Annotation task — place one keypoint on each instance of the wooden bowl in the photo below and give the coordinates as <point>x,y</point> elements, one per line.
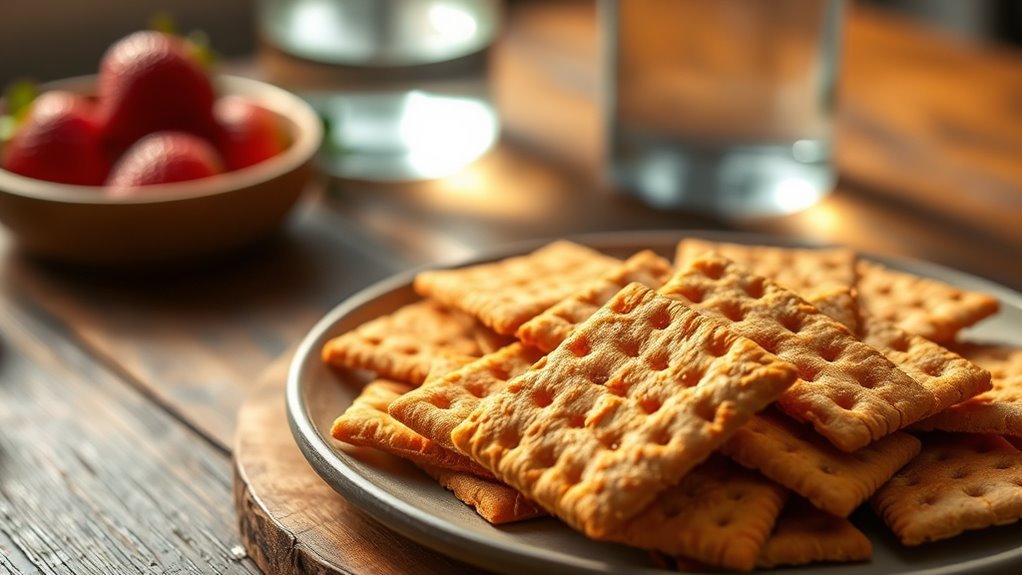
<point>169,222</point>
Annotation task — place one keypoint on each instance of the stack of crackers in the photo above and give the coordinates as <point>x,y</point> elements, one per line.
<point>728,409</point>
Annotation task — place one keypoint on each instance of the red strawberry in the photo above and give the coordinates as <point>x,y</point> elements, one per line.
<point>151,82</point>
<point>249,133</point>
<point>59,141</point>
<point>162,158</point>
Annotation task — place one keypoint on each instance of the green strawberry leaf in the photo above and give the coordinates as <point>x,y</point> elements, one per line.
<point>163,22</point>
<point>18,98</point>
<point>201,49</point>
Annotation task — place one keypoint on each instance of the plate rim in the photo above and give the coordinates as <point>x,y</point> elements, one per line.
<point>440,535</point>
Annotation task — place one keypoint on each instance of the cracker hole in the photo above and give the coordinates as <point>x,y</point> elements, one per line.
<point>650,405</point>
<point>975,490</point>
<point>791,322</point>
<point>724,521</point>
<point>719,346</point>
<point>499,372</point>
<point>662,438</point>
<point>477,390</point>
<point>809,372</point>
<point>845,401</point>
<point>712,269</point>
<point>691,377</point>
<point>673,510</point>
<point>831,352</point>
<point>900,343</point>
<point>737,496</point>
<point>755,288</point>
<point>630,347</point>
<point>440,401</point>
<point>706,411</point>
<point>955,296</point>
<point>579,347</point>
<point>612,443</point>
<point>910,481</point>
<point>1017,481</point>
<point>790,448</point>
<point>577,421</point>
<point>625,305</point>
<point>374,340</point>
<point>941,456</point>
<point>1003,464</point>
<point>731,310</point>
<point>692,293</point>
<point>617,386</point>
<point>928,499</point>
<point>934,369</point>
<point>959,473</point>
<point>509,439</point>
<point>658,360</point>
<point>542,397</point>
<point>661,318</point>
<point>572,474</point>
<point>564,314</point>
<point>828,469</point>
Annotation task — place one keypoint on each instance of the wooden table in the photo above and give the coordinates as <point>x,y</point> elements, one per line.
<point>119,392</point>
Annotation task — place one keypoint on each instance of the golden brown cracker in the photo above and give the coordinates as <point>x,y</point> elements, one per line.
<point>548,329</point>
<point>436,408</point>
<point>401,345</point>
<point>795,456</point>
<point>848,391</point>
<point>838,303</point>
<point>804,534</point>
<point>639,394</point>
<point>998,410</point>
<point>958,482</point>
<point>720,515</point>
<point>366,423</point>
<point>507,293</point>
<point>495,502</point>
<point>923,306</point>
<point>813,273</point>
<point>947,375</point>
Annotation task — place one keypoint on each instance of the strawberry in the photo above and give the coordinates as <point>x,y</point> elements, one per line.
<point>59,141</point>
<point>248,132</point>
<point>163,158</point>
<point>151,82</point>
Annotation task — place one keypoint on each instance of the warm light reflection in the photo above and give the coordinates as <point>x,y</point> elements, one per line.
<point>442,133</point>
<point>452,22</point>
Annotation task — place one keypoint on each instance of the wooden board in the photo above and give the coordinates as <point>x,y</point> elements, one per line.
<point>291,522</point>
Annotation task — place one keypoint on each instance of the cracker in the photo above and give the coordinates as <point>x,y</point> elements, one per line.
<point>367,424</point>
<point>796,457</point>
<point>848,391</point>
<point>804,534</point>
<point>495,502</point>
<point>959,482</point>
<point>490,341</point>
<point>947,375</point>
<point>839,304</point>
<point>436,408</point>
<point>549,328</point>
<point>998,410</point>
<point>926,307</point>
<point>720,515</point>
<point>639,394</point>
<point>401,345</point>
<point>506,294</point>
<point>813,273</point>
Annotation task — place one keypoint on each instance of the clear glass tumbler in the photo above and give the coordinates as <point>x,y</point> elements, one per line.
<point>721,106</point>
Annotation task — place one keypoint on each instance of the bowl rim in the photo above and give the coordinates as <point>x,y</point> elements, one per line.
<point>307,137</point>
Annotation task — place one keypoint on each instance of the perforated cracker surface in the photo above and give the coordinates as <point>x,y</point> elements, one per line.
<point>926,307</point>
<point>401,345</point>
<point>804,534</point>
<point>959,482</point>
<point>998,410</point>
<point>848,391</point>
<point>549,328</point>
<point>437,407</point>
<point>367,424</point>
<point>796,457</point>
<point>506,294</point>
<point>639,394</point>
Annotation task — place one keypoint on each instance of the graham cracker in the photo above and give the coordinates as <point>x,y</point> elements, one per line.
<point>923,306</point>
<point>848,391</point>
<point>367,424</point>
<point>548,329</point>
<point>947,375</point>
<point>804,534</point>
<point>506,294</point>
<point>638,395</point>
<point>798,458</point>
<point>401,345</point>
<point>436,408</point>
<point>958,482</point>
<point>813,273</point>
<point>495,502</point>
<point>719,515</point>
<point>998,410</point>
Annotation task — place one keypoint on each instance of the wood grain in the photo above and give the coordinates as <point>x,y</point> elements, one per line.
<point>95,478</point>
<point>292,522</point>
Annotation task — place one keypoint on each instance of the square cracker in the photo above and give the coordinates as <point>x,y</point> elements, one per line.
<point>401,345</point>
<point>926,307</point>
<point>804,534</point>
<point>495,502</point>
<point>548,329</point>
<point>998,410</point>
<point>801,460</point>
<point>367,424</point>
<point>438,406</point>
<point>813,273</point>
<point>848,391</point>
<point>506,294</point>
<point>947,375</point>
<point>720,515</point>
<point>638,395</point>
<point>959,482</point>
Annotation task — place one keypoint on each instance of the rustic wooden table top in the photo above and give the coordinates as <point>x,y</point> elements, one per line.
<point>118,392</point>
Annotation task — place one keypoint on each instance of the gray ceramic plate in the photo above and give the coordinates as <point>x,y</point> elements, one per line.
<point>406,500</point>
